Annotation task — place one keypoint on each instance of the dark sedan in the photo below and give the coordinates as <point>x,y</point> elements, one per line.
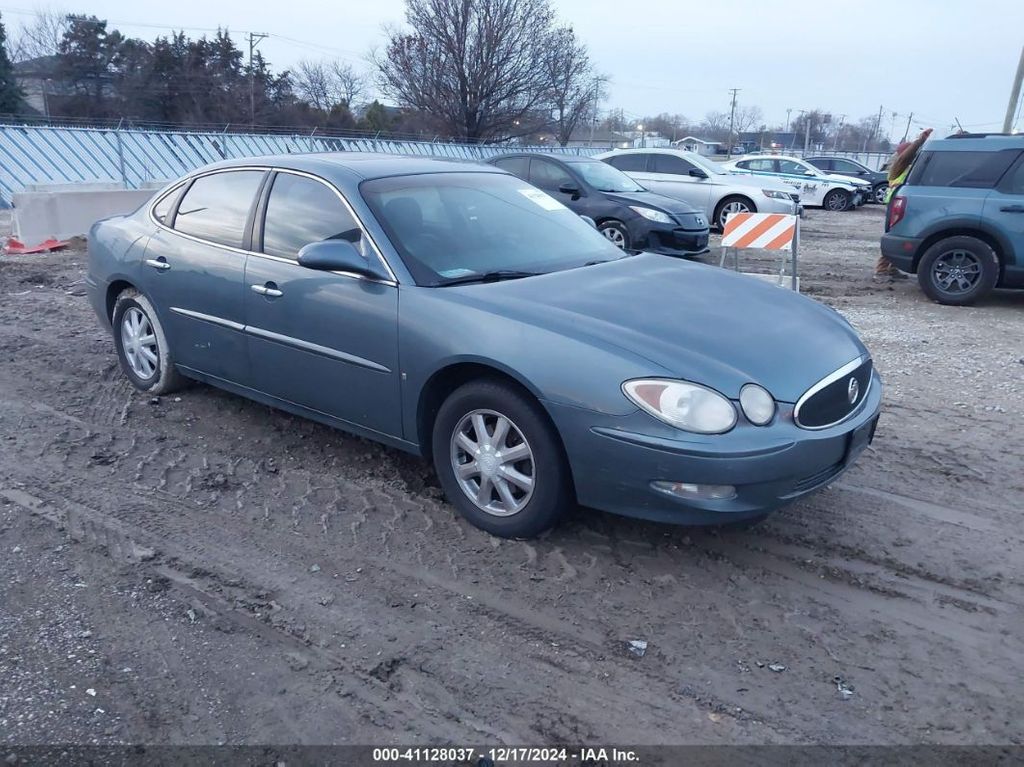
<point>454,311</point>
<point>626,213</point>
<point>844,166</point>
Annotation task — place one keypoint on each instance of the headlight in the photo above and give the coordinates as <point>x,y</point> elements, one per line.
<point>684,405</point>
<point>777,195</point>
<point>758,405</point>
<point>651,214</point>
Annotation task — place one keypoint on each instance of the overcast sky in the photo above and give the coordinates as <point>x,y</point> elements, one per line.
<point>940,59</point>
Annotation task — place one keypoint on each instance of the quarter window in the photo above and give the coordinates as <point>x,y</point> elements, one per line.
<point>668,163</point>
<point>300,211</point>
<point>636,163</point>
<point>216,207</point>
<point>163,208</point>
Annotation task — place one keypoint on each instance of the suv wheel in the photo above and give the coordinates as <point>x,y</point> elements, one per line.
<point>958,270</point>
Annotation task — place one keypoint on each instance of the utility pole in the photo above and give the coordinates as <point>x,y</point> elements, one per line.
<point>1014,94</point>
<point>839,132</point>
<point>788,112</point>
<point>732,120</point>
<point>878,124</point>
<point>907,131</point>
<point>807,134</point>
<point>254,40</point>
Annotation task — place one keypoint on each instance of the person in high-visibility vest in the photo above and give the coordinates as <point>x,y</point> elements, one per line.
<point>899,169</point>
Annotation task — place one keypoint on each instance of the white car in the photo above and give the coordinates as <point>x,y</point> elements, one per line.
<point>703,183</point>
<point>816,188</point>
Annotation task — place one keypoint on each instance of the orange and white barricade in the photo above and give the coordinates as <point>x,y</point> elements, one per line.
<point>763,231</point>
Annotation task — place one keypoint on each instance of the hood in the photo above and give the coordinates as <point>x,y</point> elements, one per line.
<point>691,321</point>
<point>847,179</point>
<point>652,200</point>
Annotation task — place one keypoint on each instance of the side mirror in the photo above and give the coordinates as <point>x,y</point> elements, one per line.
<point>698,173</point>
<point>338,256</point>
<point>590,221</point>
<point>570,189</point>
<point>810,173</point>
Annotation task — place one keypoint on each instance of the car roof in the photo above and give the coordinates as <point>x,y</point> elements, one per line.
<point>968,143</point>
<point>546,156</point>
<point>364,165</point>
<point>770,157</point>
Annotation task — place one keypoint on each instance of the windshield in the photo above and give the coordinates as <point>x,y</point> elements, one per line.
<point>605,178</point>
<point>708,165</point>
<point>450,226</point>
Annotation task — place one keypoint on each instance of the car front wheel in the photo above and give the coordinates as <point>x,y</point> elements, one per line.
<point>880,192</point>
<point>837,200</point>
<point>616,233</point>
<point>731,205</point>
<point>142,346</point>
<point>958,270</point>
<point>500,461</point>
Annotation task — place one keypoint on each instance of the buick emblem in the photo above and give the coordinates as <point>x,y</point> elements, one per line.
<point>852,390</point>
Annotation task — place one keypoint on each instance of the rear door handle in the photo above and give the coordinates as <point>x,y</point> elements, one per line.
<point>1012,209</point>
<point>158,263</point>
<point>267,290</point>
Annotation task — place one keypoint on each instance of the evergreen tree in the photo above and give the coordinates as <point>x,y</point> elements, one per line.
<point>10,94</point>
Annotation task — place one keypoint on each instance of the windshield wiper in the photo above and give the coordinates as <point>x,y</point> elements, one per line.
<point>494,276</point>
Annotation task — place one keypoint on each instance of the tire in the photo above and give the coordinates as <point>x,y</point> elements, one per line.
<point>616,232</point>
<point>542,460</point>
<point>959,270</point>
<point>880,191</point>
<point>147,362</point>
<point>733,204</point>
<point>837,200</point>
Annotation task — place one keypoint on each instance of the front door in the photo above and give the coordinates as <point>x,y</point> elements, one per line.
<point>326,341</point>
<point>193,270</point>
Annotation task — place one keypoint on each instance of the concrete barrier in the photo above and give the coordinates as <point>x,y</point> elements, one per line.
<point>67,211</point>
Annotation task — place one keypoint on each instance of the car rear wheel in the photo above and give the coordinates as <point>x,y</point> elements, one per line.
<point>500,460</point>
<point>837,200</point>
<point>731,205</point>
<point>616,233</point>
<point>142,346</point>
<point>958,270</point>
<point>880,192</point>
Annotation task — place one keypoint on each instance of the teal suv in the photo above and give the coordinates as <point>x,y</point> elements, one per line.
<point>958,222</point>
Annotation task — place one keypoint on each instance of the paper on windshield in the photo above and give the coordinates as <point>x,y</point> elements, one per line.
<point>544,200</point>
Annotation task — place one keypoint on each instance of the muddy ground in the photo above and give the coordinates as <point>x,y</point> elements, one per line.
<point>203,569</point>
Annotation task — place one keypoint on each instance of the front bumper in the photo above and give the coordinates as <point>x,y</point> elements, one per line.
<point>902,251</point>
<point>615,460</point>
<point>775,205</point>
<point>675,241</point>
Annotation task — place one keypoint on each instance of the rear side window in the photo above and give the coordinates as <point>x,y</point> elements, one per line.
<point>300,211</point>
<point>667,163</point>
<point>216,207</point>
<point>630,162</point>
<point>980,170</point>
<point>762,165</point>
<point>518,166</point>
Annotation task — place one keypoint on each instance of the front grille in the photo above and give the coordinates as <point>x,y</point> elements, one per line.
<point>829,401</point>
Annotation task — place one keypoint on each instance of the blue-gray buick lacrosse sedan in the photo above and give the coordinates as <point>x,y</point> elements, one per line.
<point>454,311</point>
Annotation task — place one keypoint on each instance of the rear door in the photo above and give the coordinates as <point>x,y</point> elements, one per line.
<point>1004,209</point>
<point>327,341</point>
<point>194,271</point>
<point>550,176</point>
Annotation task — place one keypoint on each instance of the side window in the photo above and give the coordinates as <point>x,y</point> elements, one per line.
<point>1015,181</point>
<point>668,163</point>
<point>216,207</point>
<point>163,207</point>
<point>629,162</point>
<point>300,211</point>
<point>847,167</point>
<point>548,175</point>
<point>794,168</point>
<point>518,166</point>
<point>980,170</point>
<point>761,165</point>
<point>823,163</point>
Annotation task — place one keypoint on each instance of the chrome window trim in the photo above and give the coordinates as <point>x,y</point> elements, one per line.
<point>845,370</point>
<point>265,168</point>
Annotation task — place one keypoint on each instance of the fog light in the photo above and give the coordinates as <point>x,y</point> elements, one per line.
<point>695,492</point>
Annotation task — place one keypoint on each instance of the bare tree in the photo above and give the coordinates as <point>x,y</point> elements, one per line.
<point>748,118</point>
<point>474,64</point>
<point>573,88</point>
<point>39,37</point>
<point>715,125</point>
<point>313,84</point>
<point>348,84</point>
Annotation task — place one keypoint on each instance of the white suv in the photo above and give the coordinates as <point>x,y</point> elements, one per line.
<point>703,183</point>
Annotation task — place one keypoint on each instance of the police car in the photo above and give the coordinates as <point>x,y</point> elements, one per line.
<point>816,188</point>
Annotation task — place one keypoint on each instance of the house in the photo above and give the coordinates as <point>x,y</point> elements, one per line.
<point>599,138</point>
<point>698,145</point>
<point>37,80</point>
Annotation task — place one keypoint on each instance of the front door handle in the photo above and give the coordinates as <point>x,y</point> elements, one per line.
<point>1012,209</point>
<point>270,290</point>
<point>158,263</point>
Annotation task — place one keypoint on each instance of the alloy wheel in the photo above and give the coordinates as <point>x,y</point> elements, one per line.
<point>880,194</point>
<point>493,463</point>
<point>139,342</point>
<point>616,235</point>
<point>730,208</point>
<point>956,271</point>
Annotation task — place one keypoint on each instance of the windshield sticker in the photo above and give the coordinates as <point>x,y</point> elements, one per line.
<point>544,200</point>
<point>449,273</point>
